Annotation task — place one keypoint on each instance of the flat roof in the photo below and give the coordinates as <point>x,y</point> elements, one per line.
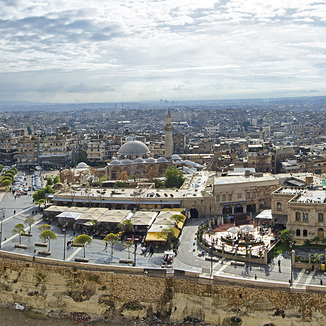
<point>242,179</point>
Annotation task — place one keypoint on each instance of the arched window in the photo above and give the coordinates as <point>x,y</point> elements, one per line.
<point>305,233</point>
<point>298,232</point>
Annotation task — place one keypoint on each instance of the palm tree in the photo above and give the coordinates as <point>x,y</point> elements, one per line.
<point>112,239</point>
<point>47,235</point>
<point>84,240</point>
<point>29,221</point>
<point>19,229</point>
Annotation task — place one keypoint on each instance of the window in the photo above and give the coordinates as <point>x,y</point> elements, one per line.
<point>298,232</point>
<point>278,206</point>
<point>239,195</point>
<point>298,216</point>
<point>230,197</point>
<point>223,197</point>
<point>320,217</point>
<point>217,196</point>
<point>305,233</point>
<point>305,217</point>
<point>248,195</point>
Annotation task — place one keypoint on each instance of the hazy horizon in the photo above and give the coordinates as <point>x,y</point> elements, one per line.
<point>132,51</point>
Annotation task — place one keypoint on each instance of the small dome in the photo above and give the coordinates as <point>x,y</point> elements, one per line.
<point>114,162</point>
<point>134,148</point>
<point>162,160</point>
<point>126,161</point>
<point>151,160</point>
<point>175,157</point>
<point>139,160</point>
<point>82,165</point>
<point>58,186</point>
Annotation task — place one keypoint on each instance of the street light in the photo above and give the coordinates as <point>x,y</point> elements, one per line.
<point>291,272</point>
<point>64,243</point>
<point>2,218</point>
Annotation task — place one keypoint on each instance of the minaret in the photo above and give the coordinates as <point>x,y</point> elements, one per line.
<point>168,136</point>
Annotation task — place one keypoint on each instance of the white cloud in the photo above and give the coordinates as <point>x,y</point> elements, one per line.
<point>136,50</point>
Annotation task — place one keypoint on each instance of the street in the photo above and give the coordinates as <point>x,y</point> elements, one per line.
<point>17,210</point>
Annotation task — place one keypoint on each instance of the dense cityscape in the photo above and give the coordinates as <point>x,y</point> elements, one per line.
<point>222,194</point>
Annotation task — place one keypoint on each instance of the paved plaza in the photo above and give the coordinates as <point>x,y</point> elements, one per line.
<point>188,257</point>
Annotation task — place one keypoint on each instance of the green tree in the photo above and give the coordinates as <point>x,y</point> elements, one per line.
<point>173,178</point>
<point>316,239</point>
<point>286,236</point>
<point>126,225</point>
<point>44,227</point>
<point>168,234</point>
<point>18,229</point>
<point>6,182</point>
<point>128,244</point>
<point>47,235</point>
<point>111,239</point>
<point>40,202</point>
<point>56,179</point>
<point>49,181</point>
<point>29,221</point>
<point>84,240</point>
<point>177,218</point>
<point>40,194</point>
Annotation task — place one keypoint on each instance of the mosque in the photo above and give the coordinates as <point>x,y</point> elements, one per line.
<point>134,158</point>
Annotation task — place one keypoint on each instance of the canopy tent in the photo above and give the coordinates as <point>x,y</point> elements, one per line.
<point>68,217</point>
<point>155,233</point>
<point>233,230</point>
<point>248,228</point>
<point>265,214</point>
<point>164,218</point>
<point>76,209</point>
<point>92,214</point>
<point>141,218</point>
<point>55,209</point>
<point>113,216</point>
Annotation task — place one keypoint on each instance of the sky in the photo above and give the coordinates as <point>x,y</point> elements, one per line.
<point>71,51</point>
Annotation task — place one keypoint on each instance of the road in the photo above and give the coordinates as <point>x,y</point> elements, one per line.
<point>17,210</point>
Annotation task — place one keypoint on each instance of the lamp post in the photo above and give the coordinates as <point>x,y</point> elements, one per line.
<point>291,272</point>
<point>2,218</point>
<point>64,243</point>
<point>211,255</point>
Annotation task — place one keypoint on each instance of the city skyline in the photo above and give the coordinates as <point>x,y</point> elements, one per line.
<point>56,51</point>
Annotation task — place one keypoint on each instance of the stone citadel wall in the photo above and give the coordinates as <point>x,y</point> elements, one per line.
<point>59,288</point>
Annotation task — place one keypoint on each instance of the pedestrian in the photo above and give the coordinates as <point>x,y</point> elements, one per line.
<point>255,277</point>
<point>151,251</point>
<point>321,282</point>
<point>106,247</point>
<point>14,212</point>
<point>279,263</point>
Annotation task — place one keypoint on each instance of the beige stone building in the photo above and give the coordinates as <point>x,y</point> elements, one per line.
<point>244,193</point>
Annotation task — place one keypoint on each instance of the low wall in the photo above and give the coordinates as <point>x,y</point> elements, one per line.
<point>262,261</point>
<point>60,288</point>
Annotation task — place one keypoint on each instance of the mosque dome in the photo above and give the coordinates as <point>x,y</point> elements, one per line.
<point>82,165</point>
<point>139,160</point>
<point>126,161</point>
<point>162,160</point>
<point>176,157</point>
<point>133,148</point>
<point>150,160</point>
<point>114,162</point>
